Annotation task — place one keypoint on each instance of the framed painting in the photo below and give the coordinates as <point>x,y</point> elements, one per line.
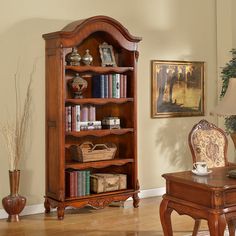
<point>177,88</point>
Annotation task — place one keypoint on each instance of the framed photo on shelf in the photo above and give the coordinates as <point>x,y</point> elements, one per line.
<point>107,55</point>
<point>177,88</point>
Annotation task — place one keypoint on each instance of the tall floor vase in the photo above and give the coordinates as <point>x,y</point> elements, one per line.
<point>14,203</point>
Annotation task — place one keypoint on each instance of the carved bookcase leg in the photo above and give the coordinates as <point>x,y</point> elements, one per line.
<point>136,198</point>
<point>60,212</point>
<point>47,206</point>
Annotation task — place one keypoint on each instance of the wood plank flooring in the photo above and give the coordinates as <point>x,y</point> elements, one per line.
<point>110,221</point>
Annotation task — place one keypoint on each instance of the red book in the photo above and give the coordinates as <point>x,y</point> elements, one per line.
<point>70,183</point>
<point>125,86</point>
<point>73,119</point>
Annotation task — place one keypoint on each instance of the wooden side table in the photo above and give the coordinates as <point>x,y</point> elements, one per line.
<point>211,197</point>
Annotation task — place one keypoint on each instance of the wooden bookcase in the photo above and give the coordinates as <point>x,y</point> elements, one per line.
<point>89,34</point>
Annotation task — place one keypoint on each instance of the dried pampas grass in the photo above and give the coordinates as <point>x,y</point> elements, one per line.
<point>15,133</point>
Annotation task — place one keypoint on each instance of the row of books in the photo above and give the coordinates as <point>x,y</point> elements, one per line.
<point>109,86</point>
<point>81,118</point>
<point>77,182</point>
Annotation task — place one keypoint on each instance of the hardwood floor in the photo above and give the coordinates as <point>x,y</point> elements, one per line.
<point>111,221</point>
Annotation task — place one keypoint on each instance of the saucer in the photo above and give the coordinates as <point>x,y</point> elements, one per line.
<point>201,174</point>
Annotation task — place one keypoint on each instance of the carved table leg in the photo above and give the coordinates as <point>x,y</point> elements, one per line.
<point>217,224</point>
<point>60,212</point>
<point>165,215</point>
<point>196,227</point>
<point>136,200</point>
<point>47,206</point>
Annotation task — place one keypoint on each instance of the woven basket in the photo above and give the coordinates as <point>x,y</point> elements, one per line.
<point>88,152</point>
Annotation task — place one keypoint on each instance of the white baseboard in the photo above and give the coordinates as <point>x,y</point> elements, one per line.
<point>28,210</point>
<point>39,208</point>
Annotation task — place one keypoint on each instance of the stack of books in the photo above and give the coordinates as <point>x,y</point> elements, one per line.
<point>77,182</point>
<point>81,118</point>
<point>109,86</point>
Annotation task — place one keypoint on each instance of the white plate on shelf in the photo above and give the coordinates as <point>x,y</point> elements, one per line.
<point>201,174</point>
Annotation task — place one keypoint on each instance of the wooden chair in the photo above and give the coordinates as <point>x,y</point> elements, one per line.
<point>209,143</point>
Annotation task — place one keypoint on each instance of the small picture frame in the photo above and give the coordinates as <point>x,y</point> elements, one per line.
<point>107,55</point>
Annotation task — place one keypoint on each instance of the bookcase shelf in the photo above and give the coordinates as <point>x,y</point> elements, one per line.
<point>99,69</point>
<point>62,173</point>
<point>100,133</point>
<point>98,101</point>
<point>98,164</point>
<point>101,194</point>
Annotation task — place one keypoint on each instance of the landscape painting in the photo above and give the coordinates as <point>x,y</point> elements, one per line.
<point>177,88</point>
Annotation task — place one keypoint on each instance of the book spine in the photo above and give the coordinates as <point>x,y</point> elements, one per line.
<point>84,113</point>
<point>105,86</point>
<point>121,85</point>
<point>69,118</point>
<point>66,119</point>
<point>79,184</point>
<point>83,183</point>
<point>77,111</point>
<point>96,86</point>
<point>117,86</point>
<point>110,85</point>
<point>75,177</point>
<point>87,192</point>
<point>114,85</point>
<point>70,184</point>
<point>125,86</point>
<point>73,118</point>
<point>92,113</point>
<point>102,86</point>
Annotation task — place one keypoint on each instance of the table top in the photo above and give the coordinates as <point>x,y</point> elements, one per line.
<point>218,178</point>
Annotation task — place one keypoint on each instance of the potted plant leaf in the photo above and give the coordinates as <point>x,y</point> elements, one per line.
<point>228,72</point>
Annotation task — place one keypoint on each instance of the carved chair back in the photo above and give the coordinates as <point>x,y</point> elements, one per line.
<point>208,143</point>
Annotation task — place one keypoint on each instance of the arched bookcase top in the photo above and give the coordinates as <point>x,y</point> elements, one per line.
<point>75,32</point>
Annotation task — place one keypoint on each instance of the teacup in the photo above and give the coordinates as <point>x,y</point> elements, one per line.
<point>200,167</point>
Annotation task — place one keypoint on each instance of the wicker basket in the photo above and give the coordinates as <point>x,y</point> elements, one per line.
<point>88,152</point>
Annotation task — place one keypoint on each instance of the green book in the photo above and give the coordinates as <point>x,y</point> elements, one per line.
<point>87,192</point>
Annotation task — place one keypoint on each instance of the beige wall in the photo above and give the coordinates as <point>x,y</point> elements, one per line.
<point>171,30</point>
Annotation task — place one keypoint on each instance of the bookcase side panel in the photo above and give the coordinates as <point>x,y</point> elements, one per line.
<point>54,128</point>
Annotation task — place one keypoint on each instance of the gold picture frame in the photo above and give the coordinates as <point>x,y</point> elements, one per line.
<point>177,88</point>
<point>107,55</point>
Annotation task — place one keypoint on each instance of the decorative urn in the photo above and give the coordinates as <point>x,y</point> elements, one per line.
<point>73,58</point>
<point>78,86</point>
<point>87,58</point>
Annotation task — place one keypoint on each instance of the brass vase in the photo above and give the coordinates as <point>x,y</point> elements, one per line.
<point>14,203</point>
